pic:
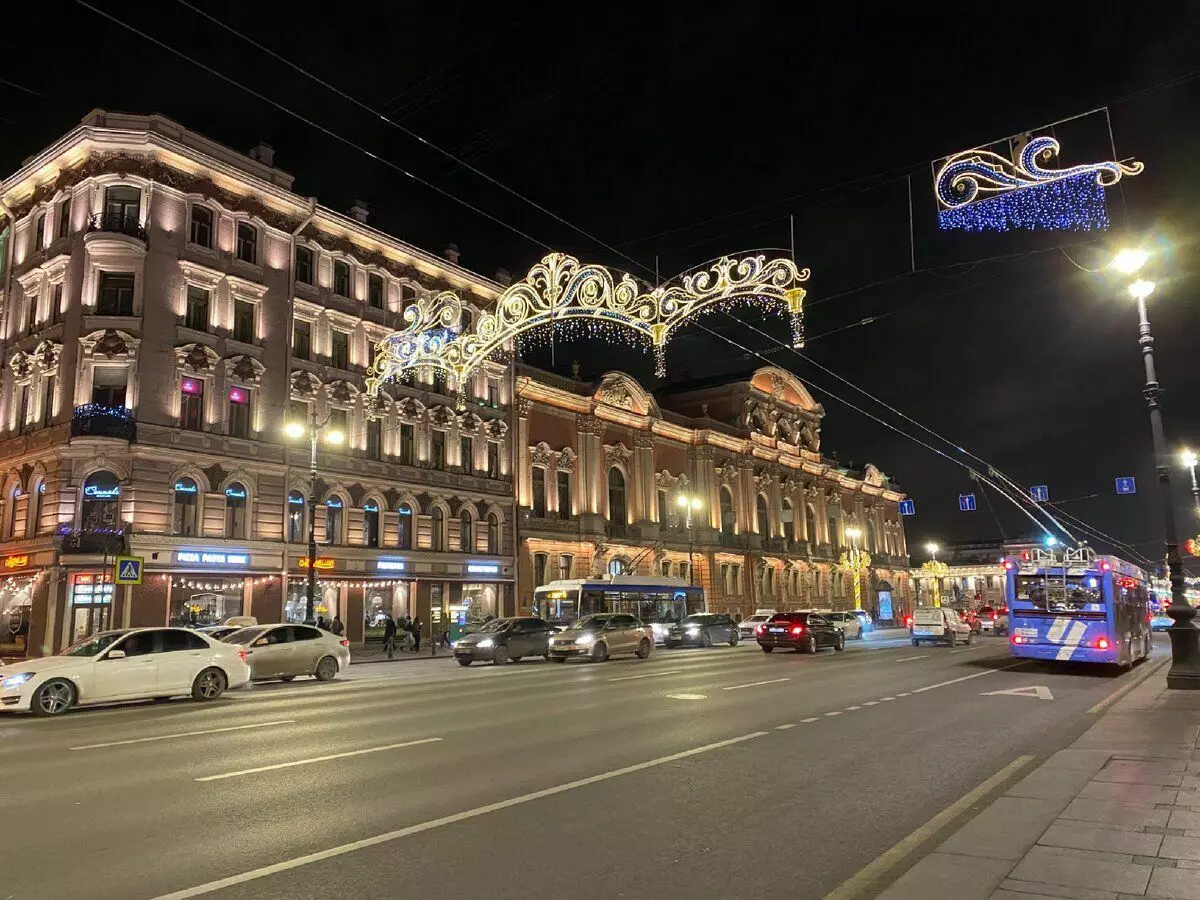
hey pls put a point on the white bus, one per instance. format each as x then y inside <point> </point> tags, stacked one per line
<point>652,598</point>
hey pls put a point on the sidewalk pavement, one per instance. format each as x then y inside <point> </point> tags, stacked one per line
<point>1115,816</point>
<point>374,653</point>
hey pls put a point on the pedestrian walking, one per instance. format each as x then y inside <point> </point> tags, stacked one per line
<point>322,624</point>
<point>408,634</point>
<point>337,627</point>
<point>389,635</point>
<point>416,633</point>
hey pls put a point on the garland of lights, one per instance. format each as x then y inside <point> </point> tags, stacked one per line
<point>978,190</point>
<point>582,300</point>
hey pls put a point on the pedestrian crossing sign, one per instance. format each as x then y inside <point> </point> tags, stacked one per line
<point>128,570</point>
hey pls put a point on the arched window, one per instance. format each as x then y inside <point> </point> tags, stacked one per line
<point>789,521</point>
<point>35,508</point>
<point>404,533</point>
<point>236,496</point>
<point>100,507</point>
<point>437,529</point>
<point>810,523</point>
<point>493,533</point>
<point>728,519</point>
<point>296,531</point>
<point>616,497</point>
<point>10,511</point>
<point>187,495</point>
<point>370,524</point>
<point>466,531</point>
<point>666,567</point>
<point>334,508</point>
<point>762,517</point>
<point>617,566</point>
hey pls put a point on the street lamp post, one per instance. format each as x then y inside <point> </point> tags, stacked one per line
<point>1185,639</point>
<point>296,430</point>
<point>1190,461</point>
<point>858,560</point>
<point>936,570</point>
<point>689,503</point>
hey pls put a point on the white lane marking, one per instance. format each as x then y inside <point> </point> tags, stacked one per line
<point>1040,691</point>
<point>852,708</point>
<point>308,859</point>
<point>930,687</point>
<point>860,884</point>
<point>317,759</point>
<point>811,719</point>
<point>183,734</point>
<point>647,675</point>
<point>836,712</point>
<point>738,687</point>
<point>911,658</point>
<point>905,694</point>
<point>886,699</point>
<point>1074,636</point>
<point>871,703</point>
<point>687,696</point>
<point>968,649</point>
<point>785,727</point>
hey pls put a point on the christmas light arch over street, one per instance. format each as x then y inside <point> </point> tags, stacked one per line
<point>560,289</point>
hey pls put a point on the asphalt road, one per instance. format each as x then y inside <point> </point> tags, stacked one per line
<point>723,772</point>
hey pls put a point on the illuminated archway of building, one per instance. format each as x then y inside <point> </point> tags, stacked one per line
<point>561,291</point>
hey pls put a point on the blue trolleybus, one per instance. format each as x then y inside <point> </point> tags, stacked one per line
<point>653,599</point>
<point>1077,606</point>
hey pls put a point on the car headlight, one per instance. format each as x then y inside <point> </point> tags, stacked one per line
<point>585,639</point>
<point>17,680</point>
<point>486,642</point>
<point>693,629</point>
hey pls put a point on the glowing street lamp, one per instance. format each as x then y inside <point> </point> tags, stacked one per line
<point>689,502</point>
<point>1190,460</point>
<point>932,549</point>
<point>858,560</point>
<point>1130,260</point>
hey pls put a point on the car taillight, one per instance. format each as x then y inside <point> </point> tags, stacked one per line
<point>1017,639</point>
<point>797,629</point>
<point>760,629</point>
<point>242,653</point>
<point>993,617</point>
<point>1102,644</point>
<point>344,642</point>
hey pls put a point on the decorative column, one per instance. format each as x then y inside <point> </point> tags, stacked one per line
<point>810,494</point>
<point>592,477</point>
<point>705,480</point>
<point>524,473</point>
<point>642,465</point>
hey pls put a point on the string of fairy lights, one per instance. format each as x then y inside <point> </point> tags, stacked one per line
<point>200,583</point>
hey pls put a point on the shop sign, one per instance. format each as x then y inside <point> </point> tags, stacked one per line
<point>483,568</point>
<point>96,492</point>
<point>235,493</point>
<point>391,565</point>
<point>183,487</point>
<point>16,561</point>
<point>213,558</point>
<point>323,562</point>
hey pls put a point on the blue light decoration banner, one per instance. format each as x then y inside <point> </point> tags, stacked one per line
<point>981,190</point>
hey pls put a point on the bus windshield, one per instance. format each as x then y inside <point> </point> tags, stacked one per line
<point>1052,594</point>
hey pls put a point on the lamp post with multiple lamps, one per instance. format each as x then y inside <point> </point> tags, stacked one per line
<point>858,560</point>
<point>935,570</point>
<point>1185,638</point>
<point>689,502</point>
<point>296,430</point>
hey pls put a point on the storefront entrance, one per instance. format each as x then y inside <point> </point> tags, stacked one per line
<point>91,604</point>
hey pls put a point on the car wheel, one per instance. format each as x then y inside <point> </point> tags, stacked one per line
<point>949,638</point>
<point>734,637</point>
<point>464,662</point>
<point>500,656</point>
<point>916,643</point>
<point>599,652</point>
<point>209,685</point>
<point>643,650</point>
<point>841,643</point>
<point>53,698</point>
<point>811,646</point>
<point>765,648</point>
<point>327,669</point>
<point>288,678</point>
<point>970,638</point>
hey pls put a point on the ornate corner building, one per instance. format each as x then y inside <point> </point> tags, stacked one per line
<point>168,305</point>
<point>607,472</point>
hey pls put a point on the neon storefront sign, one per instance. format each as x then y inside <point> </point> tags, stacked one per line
<point>96,492</point>
<point>483,568</point>
<point>213,558</point>
<point>391,565</point>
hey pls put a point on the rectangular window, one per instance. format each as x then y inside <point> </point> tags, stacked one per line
<point>304,265</point>
<point>563,483</point>
<point>201,229</point>
<point>239,412</point>
<point>437,449</point>
<point>196,316</point>
<point>341,278</point>
<point>115,297</point>
<point>64,218</point>
<point>339,420</point>
<point>340,345</point>
<point>564,566</point>
<point>23,407</point>
<point>191,403</point>
<point>493,395</point>
<point>247,242</point>
<point>406,444</point>
<point>108,385</point>
<point>243,321</point>
<point>375,291</point>
<point>374,439</point>
<point>466,453</point>
<point>39,231</point>
<point>122,207</point>
<point>538,500</point>
<point>56,310</point>
<point>31,313</point>
<point>298,411</point>
<point>493,465</point>
<point>302,339</point>
<point>48,401</point>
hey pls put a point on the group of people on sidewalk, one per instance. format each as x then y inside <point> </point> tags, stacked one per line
<point>334,626</point>
<point>410,630</point>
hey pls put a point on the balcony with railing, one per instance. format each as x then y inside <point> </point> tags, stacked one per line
<point>111,541</point>
<point>118,223</point>
<point>95,420</point>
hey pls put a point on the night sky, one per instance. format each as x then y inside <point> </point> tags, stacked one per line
<point>684,131</point>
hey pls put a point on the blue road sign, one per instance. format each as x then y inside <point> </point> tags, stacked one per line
<point>908,508</point>
<point>1126,485</point>
<point>128,569</point>
<point>1040,493</point>
<point>966,502</point>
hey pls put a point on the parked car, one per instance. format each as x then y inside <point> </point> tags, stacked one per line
<point>599,636</point>
<point>218,632</point>
<point>865,619</point>
<point>127,664</point>
<point>747,625</point>
<point>285,651</point>
<point>939,623</point>
<point>971,617</point>
<point>846,620</point>
<point>993,620</point>
<point>502,640</point>
<point>660,628</point>
<point>704,630</point>
<point>807,632</point>
<point>1160,621</point>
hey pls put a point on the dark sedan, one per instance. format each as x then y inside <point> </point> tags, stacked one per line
<point>503,640</point>
<point>806,632</point>
<point>703,630</point>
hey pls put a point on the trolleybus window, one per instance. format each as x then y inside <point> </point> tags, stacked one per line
<point>1054,594</point>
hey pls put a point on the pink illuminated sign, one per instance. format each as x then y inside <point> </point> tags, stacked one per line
<point>190,386</point>
<point>238,395</point>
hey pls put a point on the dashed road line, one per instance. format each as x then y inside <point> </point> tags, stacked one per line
<point>183,734</point>
<point>316,759</point>
<point>911,658</point>
<point>905,694</point>
<point>811,719</point>
<point>852,708</point>
<point>886,699</point>
<point>647,675</point>
<point>785,727</point>
<point>738,687</point>
<point>968,649</point>
<point>871,703</point>
<point>836,712</point>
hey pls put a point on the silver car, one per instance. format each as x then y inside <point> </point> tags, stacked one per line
<point>848,621</point>
<point>285,651</point>
<point>600,636</point>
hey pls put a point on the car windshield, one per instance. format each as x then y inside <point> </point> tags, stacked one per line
<point>789,617</point>
<point>90,646</point>
<point>694,620</point>
<point>244,635</point>
<point>493,626</point>
<point>591,623</point>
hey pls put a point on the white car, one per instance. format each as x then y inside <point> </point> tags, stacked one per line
<point>848,621</point>
<point>940,624</point>
<point>747,625</point>
<point>284,651</point>
<point>129,664</point>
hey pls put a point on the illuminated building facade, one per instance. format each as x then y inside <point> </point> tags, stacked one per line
<point>601,468</point>
<point>168,306</point>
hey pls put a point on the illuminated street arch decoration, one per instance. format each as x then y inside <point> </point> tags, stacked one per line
<point>560,289</point>
<point>979,190</point>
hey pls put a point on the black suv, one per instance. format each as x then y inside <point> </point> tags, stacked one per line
<point>806,632</point>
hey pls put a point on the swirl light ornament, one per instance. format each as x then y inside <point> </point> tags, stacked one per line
<point>979,190</point>
<point>561,289</point>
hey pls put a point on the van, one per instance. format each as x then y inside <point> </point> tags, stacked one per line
<point>941,624</point>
